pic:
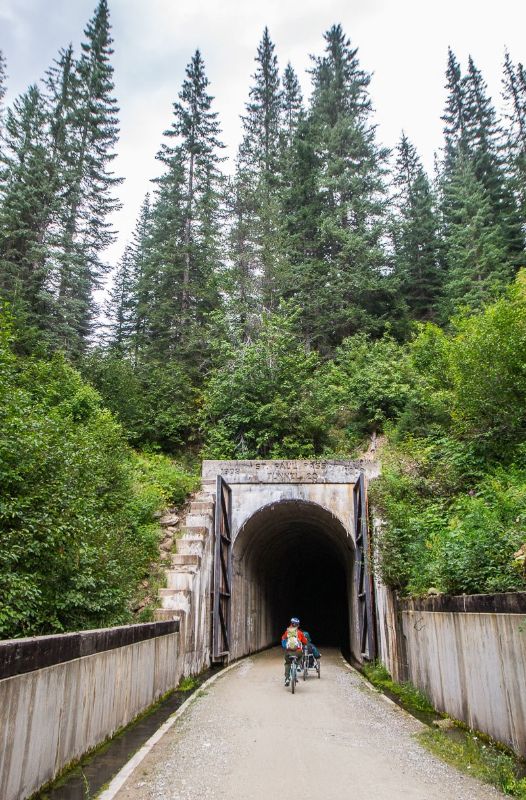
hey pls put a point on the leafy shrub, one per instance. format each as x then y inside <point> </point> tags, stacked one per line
<point>155,403</point>
<point>76,507</point>
<point>268,400</point>
<point>488,372</point>
<point>453,488</point>
<point>371,380</point>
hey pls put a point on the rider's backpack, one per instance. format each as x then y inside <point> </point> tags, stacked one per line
<point>293,642</point>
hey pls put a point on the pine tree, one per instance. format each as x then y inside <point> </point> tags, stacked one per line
<point>484,147</point>
<point>89,114</point>
<point>185,239</point>
<point>241,280</point>
<point>3,89</point>
<point>28,198</point>
<point>455,113</point>
<point>416,235</point>
<point>141,290</point>
<point>130,296</point>
<point>258,169</point>
<point>292,110</point>
<point>478,269</point>
<point>339,263</point>
<point>121,306</point>
<point>514,92</point>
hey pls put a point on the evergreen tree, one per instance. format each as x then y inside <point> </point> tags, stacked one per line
<point>336,251</point>
<point>258,169</point>
<point>455,113</point>
<point>478,268</point>
<point>514,92</point>
<point>88,112</point>
<point>141,291</point>
<point>28,196</point>
<point>120,306</point>
<point>485,150</point>
<point>3,89</point>
<point>415,234</point>
<point>241,281</point>
<point>291,107</point>
<point>185,238</point>
<point>472,131</point>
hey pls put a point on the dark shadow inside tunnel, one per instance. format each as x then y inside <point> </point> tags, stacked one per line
<point>292,558</point>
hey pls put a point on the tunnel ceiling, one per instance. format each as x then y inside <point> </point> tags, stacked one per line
<point>287,524</point>
<point>295,557</point>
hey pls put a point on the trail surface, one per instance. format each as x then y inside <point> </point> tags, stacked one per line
<point>248,738</point>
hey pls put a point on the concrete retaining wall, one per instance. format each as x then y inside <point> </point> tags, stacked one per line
<point>468,654</point>
<point>52,715</point>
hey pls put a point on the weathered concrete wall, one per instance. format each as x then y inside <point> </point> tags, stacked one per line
<point>391,639</point>
<point>468,654</point>
<point>270,501</point>
<point>257,484</point>
<point>274,501</point>
<point>53,715</point>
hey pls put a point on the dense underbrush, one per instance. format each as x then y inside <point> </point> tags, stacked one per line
<point>77,505</point>
<point>453,488</point>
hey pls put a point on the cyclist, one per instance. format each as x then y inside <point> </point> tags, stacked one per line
<point>292,641</point>
<point>312,647</point>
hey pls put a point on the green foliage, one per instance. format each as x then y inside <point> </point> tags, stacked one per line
<point>188,685</point>
<point>478,757</point>
<point>488,373</point>
<point>76,511</point>
<point>411,698</point>
<point>370,381</point>
<point>158,476</point>
<point>267,401</point>
<point>454,495</point>
<point>155,403</point>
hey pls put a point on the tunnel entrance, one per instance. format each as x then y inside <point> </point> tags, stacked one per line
<point>292,558</point>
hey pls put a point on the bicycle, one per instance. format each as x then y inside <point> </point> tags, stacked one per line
<point>293,674</point>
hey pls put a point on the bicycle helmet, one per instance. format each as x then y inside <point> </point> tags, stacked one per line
<point>294,621</point>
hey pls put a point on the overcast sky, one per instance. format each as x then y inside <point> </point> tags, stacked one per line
<point>402,42</point>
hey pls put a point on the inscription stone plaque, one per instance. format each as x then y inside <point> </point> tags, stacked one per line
<point>282,471</point>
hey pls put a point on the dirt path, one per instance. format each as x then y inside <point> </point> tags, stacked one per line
<point>248,738</point>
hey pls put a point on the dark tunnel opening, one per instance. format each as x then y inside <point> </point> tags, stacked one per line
<point>314,589</point>
<point>292,559</point>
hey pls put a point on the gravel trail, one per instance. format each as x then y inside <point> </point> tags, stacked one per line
<point>248,738</point>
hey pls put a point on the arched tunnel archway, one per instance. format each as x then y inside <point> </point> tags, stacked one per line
<point>292,557</point>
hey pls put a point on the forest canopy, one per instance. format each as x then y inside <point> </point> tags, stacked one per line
<point>322,289</point>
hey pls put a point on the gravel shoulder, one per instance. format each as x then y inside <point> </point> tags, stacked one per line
<point>248,738</point>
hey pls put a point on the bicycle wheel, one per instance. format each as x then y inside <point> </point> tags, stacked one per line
<point>305,669</point>
<point>293,676</point>
<point>318,668</point>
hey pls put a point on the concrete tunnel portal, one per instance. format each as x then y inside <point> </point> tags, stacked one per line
<point>292,557</point>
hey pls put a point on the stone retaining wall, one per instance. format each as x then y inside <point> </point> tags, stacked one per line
<point>60,696</point>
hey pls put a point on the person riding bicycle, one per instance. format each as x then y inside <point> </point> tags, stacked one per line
<point>292,642</point>
<point>312,647</point>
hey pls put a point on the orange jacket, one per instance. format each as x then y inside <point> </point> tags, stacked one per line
<point>300,635</point>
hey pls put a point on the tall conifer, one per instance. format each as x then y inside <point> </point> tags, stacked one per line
<point>185,246</point>
<point>28,196</point>
<point>478,266</point>
<point>88,186</point>
<point>342,285</point>
<point>258,168</point>
<point>3,88</point>
<point>514,92</point>
<point>416,234</point>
